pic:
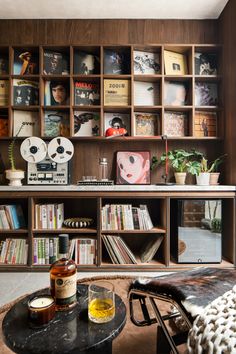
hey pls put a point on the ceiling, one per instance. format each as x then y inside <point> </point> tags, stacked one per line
<point>109,9</point>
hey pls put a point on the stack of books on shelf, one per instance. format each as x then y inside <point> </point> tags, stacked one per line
<point>11,217</point>
<point>83,250</point>
<point>13,251</point>
<point>45,250</point>
<point>49,216</point>
<point>126,217</point>
<point>118,250</point>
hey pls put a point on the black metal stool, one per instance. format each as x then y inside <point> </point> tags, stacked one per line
<point>189,292</point>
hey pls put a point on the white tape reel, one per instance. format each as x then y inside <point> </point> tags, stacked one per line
<point>60,149</point>
<point>33,149</point>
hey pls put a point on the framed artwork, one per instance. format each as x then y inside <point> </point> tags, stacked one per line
<point>133,167</point>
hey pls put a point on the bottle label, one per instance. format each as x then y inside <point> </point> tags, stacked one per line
<point>65,289</point>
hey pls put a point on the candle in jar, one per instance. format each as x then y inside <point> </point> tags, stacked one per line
<point>41,309</point>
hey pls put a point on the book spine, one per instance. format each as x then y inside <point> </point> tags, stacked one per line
<point>35,260</point>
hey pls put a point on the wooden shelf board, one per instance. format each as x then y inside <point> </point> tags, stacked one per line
<point>178,108</point>
<point>117,77</point>
<point>140,265</point>
<point>194,138</point>
<point>155,230</point>
<point>26,108</point>
<point>16,231</point>
<point>67,230</point>
<point>25,77</point>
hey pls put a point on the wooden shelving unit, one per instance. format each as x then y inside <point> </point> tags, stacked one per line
<point>69,53</point>
<point>90,204</point>
<point>95,36</point>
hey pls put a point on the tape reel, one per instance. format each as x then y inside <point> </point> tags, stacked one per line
<point>60,149</point>
<point>33,149</point>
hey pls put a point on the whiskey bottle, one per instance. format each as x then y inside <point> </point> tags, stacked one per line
<point>63,277</point>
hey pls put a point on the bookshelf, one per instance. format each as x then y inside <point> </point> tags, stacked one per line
<point>114,81</point>
<point>162,209</point>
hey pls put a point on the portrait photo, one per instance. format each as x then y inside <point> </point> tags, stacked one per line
<point>133,167</point>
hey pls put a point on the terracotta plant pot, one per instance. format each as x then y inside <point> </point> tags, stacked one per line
<point>15,177</point>
<point>214,177</point>
<point>203,179</point>
<point>180,177</point>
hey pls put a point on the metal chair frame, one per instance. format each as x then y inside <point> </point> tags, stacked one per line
<point>141,295</point>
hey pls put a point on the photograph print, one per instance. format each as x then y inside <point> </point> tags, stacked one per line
<point>133,167</point>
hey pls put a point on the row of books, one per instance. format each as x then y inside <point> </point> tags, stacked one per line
<point>82,250</point>
<point>116,93</point>
<point>13,251</point>
<point>116,62</point>
<point>11,217</point>
<point>126,217</point>
<point>49,216</point>
<point>45,250</point>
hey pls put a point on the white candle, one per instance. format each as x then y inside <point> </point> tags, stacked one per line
<point>41,302</point>
<point>41,309</point>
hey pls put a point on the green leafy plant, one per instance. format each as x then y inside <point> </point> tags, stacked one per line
<point>179,159</point>
<point>215,164</point>
<point>154,163</point>
<point>216,225</point>
<point>11,149</point>
<point>200,163</point>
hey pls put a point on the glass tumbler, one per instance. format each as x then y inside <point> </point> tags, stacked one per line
<point>101,302</point>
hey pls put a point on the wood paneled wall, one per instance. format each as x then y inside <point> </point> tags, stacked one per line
<point>75,32</point>
<point>227,33</point>
<point>19,32</point>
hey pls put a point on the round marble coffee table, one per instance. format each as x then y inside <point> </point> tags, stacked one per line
<point>69,332</point>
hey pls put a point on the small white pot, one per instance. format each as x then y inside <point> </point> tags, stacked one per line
<point>180,177</point>
<point>203,179</point>
<point>15,177</point>
<point>214,177</point>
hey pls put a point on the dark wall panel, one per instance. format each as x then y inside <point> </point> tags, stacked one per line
<point>107,31</point>
<point>227,26</point>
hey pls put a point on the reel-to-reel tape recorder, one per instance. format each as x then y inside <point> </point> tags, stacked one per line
<point>47,163</point>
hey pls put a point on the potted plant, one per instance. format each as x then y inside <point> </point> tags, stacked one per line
<point>14,175</point>
<point>179,160</point>
<point>205,174</point>
<point>213,169</point>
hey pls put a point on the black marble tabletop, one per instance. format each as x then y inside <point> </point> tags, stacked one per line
<point>68,332</point>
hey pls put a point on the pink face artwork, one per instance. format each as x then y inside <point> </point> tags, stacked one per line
<point>133,167</point>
